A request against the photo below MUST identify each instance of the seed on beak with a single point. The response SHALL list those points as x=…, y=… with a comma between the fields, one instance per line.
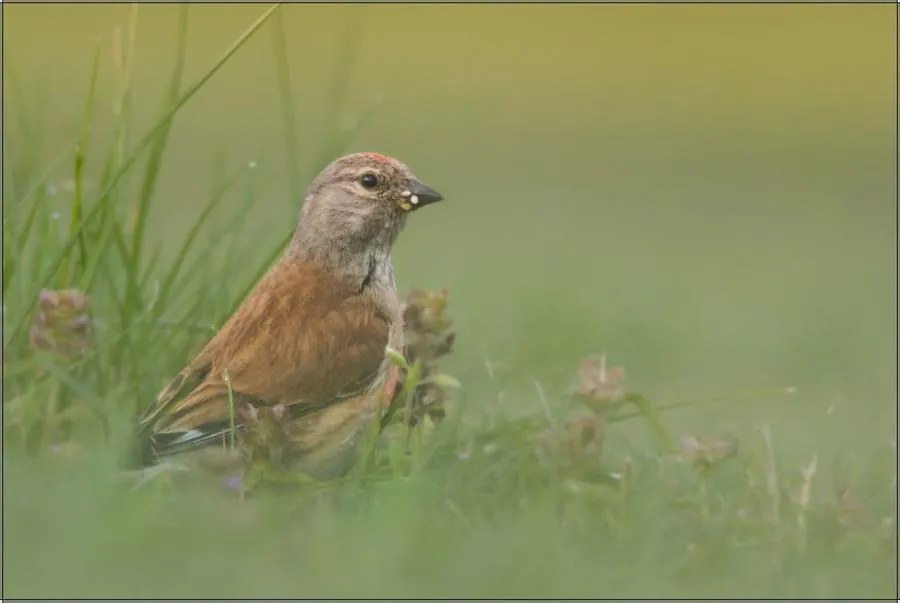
x=413, y=200
x=418, y=195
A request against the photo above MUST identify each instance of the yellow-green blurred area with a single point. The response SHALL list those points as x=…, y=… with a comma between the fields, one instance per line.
x=706, y=193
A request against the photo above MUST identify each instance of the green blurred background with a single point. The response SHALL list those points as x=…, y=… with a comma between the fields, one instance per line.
x=704, y=192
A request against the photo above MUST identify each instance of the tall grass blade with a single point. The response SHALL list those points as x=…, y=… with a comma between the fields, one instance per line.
x=135, y=153
x=348, y=50
x=288, y=103
x=170, y=278
x=81, y=153
x=151, y=173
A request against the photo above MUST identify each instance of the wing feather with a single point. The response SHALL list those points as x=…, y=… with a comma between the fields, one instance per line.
x=302, y=338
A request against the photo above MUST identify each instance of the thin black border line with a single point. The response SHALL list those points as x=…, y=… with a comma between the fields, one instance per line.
x=896, y=58
x=458, y=2
x=896, y=289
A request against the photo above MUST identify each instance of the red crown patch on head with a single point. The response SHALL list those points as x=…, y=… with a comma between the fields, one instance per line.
x=379, y=158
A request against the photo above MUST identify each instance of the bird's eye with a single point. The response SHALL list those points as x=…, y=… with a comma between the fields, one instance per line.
x=369, y=180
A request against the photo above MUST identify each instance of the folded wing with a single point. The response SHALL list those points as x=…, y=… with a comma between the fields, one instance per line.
x=302, y=338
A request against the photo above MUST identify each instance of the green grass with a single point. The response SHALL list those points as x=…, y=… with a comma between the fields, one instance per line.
x=773, y=326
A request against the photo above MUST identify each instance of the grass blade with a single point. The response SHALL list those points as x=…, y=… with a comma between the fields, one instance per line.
x=151, y=173
x=205, y=213
x=291, y=145
x=135, y=153
x=81, y=152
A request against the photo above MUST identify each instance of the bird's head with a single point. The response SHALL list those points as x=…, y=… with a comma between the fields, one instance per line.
x=365, y=192
x=362, y=200
x=371, y=183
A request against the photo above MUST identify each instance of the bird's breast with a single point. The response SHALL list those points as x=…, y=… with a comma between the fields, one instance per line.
x=326, y=443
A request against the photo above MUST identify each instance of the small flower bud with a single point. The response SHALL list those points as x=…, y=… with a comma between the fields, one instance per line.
x=599, y=386
x=63, y=323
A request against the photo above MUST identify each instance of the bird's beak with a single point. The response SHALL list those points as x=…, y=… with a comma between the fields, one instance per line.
x=419, y=195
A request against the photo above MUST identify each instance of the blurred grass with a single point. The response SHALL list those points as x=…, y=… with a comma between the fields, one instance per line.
x=706, y=193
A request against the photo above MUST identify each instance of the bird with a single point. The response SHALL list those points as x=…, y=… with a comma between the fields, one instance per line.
x=309, y=341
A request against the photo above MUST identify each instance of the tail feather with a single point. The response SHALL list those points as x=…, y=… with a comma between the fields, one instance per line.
x=173, y=442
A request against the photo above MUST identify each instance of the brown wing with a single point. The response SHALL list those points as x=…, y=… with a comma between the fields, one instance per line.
x=302, y=338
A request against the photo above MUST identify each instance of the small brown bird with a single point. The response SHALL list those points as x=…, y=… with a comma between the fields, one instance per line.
x=309, y=341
